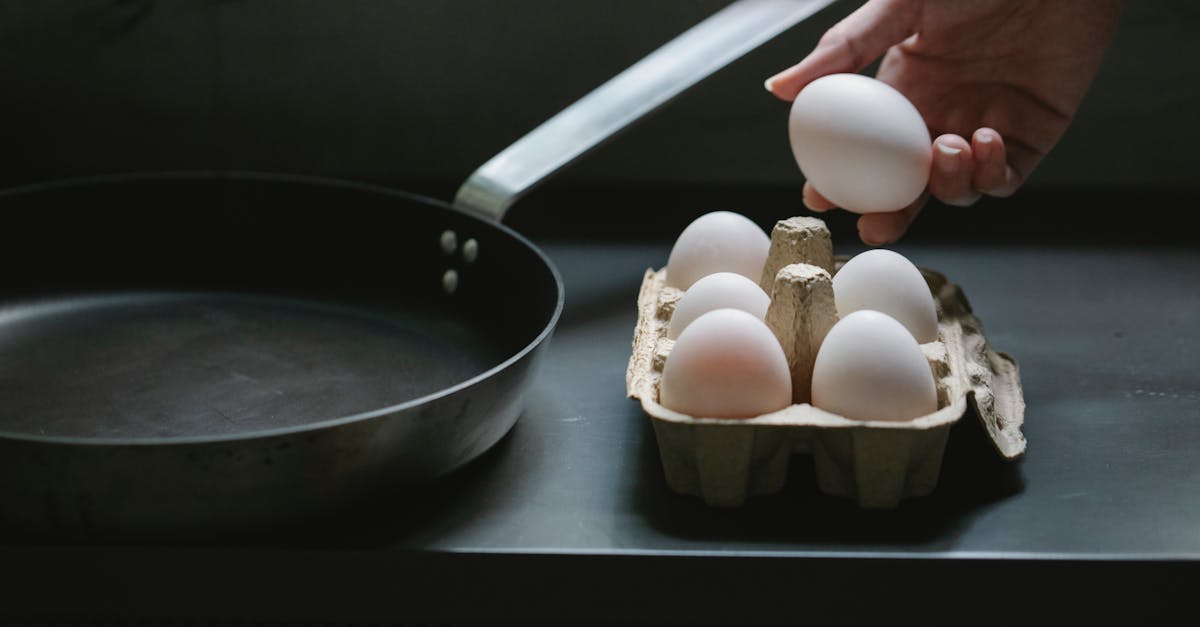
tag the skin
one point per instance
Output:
(997, 82)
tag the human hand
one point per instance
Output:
(1008, 74)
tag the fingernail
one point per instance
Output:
(948, 150)
(985, 138)
(949, 164)
(769, 84)
(804, 199)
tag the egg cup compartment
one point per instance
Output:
(877, 463)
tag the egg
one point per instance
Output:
(886, 281)
(860, 142)
(717, 291)
(726, 364)
(869, 367)
(720, 241)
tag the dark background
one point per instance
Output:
(417, 94)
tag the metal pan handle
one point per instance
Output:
(645, 86)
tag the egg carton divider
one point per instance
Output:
(876, 463)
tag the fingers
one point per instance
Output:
(814, 200)
(993, 175)
(874, 229)
(963, 172)
(952, 172)
(960, 174)
(877, 229)
(850, 45)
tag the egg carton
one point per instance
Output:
(877, 463)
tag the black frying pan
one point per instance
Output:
(220, 351)
(243, 349)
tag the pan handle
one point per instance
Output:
(645, 86)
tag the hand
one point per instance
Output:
(1008, 74)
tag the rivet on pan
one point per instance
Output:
(449, 242)
(450, 281)
(470, 250)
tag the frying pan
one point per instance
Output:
(207, 352)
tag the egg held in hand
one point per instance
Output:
(720, 241)
(886, 281)
(726, 364)
(869, 367)
(860, 143)
(719, 290)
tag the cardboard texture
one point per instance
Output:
(877, 463)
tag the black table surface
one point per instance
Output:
(569, 517)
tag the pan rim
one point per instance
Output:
(276, 177)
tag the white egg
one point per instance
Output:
(869, 367)
(886, 281)
(718, 291)
(726, 364)
(720, 241)
(860, 143)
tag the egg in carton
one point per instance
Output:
(877, 463)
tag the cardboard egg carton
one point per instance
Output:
(877, 463)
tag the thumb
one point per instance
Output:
(850, 45)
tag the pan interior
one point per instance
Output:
(203, 305)
(161, 364)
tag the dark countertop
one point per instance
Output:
(569, 516)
